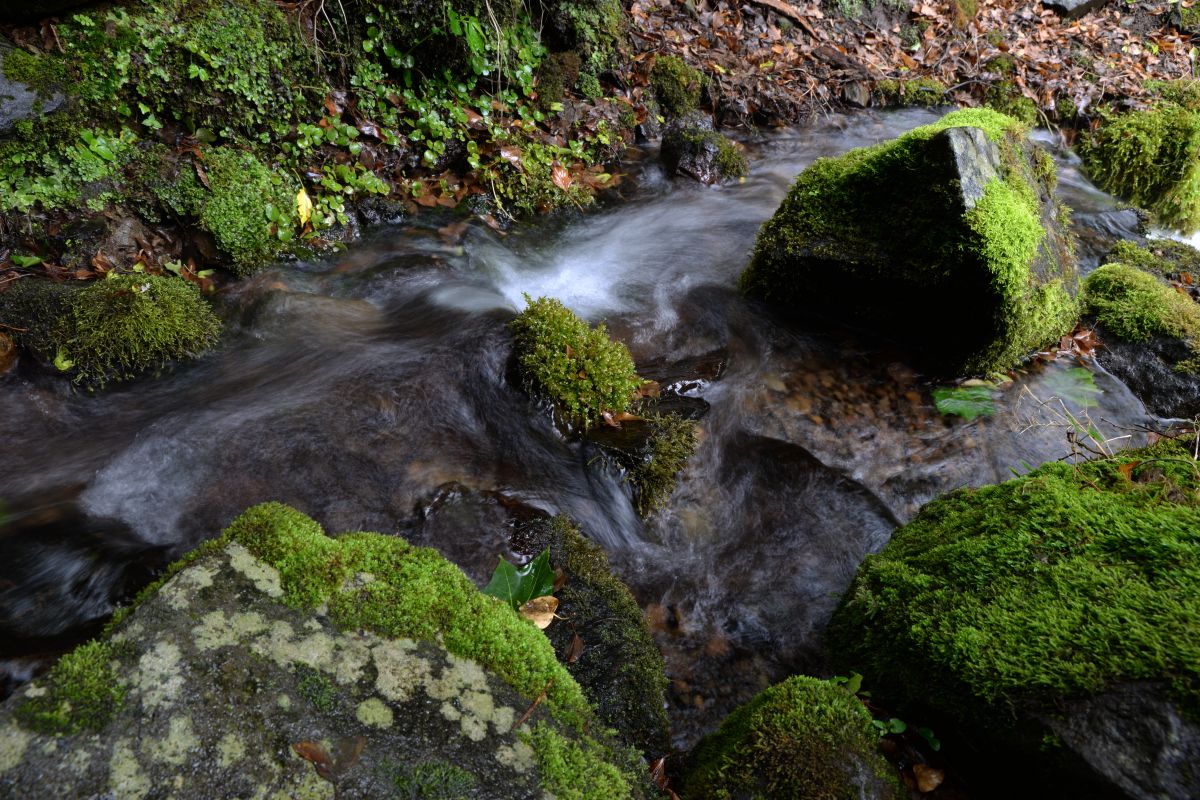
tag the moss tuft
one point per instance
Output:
(573, 770)
(1050, 586)
(580, 369)
(654, 478)
(235, 211)
(130, 324)
(1135, 306)
(800, 738)
(1152, 159)
(1006, 97)
(82, 693)
(47, 74)
(1165, 258)
(677, 86)
(434, 780)
(316, 687)
(926, 92)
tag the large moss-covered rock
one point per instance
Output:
(382, 654)
(1056, 611)
(1150, 327)
(947, 237)
(803, 738)
(1151, 157)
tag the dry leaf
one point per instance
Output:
(540, 610)
(560, 176)
(304, 206)
(511, 154)
(1127, 469)
(928, 778)
(575, 649)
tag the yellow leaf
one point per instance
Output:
(540, 610)
(303, 206)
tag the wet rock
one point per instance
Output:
(8, 353)
(1074, 9)
(1003, 612)
(253, 671)
(947, 238)
(18, 100)
(1149, 370)
(691, 148)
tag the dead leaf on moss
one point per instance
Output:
(540, 610)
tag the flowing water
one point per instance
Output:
(374, 392)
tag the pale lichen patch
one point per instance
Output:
(264, 577)
(400, 671)
(79, 760)
(174, 748)
(375, 713)
(13, 743)
(49, 747)
(181, 590)
(125, 777)
(218, 630)
(518, 757)
(463, 687)
(158, 678)
(230, 750)
(284, 702)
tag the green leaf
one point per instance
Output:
(518, 586)
(967, 402)
(1076, 386)
(61, 362)
(26, 261)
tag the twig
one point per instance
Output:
(789, 11)
(536, 701)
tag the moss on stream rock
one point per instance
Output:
(803, 738)
(1151, 157)
(1061, 603)
(275, 634)
(948, 237)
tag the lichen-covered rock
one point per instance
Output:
(1150, 329)
(690, 147)
(1152, 157)
(1052, 619)
(399, 675)
(948, 238)
(803, 738)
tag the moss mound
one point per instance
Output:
(886, 236)
(243, 188)
(926, 92)
(670, 446)
(82, 693)
(580, 369)
(803, 738)
(1050, 586)
(1151, 158)
(676, 86)
(701, 153)
(1135, 306)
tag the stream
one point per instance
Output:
(372, 391)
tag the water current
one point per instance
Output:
(373, 392)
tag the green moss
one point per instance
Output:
(1136, 306)
(1006, 97)
(853, 232)
(595, 29)
(580, 369)
(654, 478)
(677, 86)
(1163, 257)
(82, 693)
(434, 780)
(416, 594)
(242, 188)
(800, 738)
(34, 311)
(316, 687)
(1054, 585)
(46, 74)
(119, 328)
(620, 669)
(926, 92)
(574, 770)
(556, 74)
(1152, 159)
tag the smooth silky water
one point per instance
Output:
(374, 392)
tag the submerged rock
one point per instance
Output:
(803, 738)
(1051, 619)
(1149, 324)
(948, 238)
(278, 662)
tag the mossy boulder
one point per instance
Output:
(1055, 609)
(948, 238)
(926, 92)
(1150, 329)
(1151, 157)
(111, 330)
(22, 95)
(617, 664)
(803, 738)
(383, 657)
(691, 148)
(583, 372)
(677, 86)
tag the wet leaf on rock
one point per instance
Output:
(1076, 386)
(575, 649)
(540, 610)
(518, 586)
